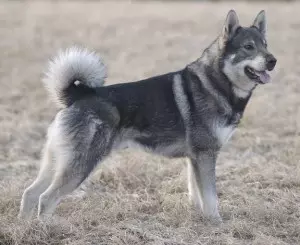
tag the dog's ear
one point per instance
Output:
(260, 22)
(230, 26)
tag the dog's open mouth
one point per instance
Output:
(261, 77)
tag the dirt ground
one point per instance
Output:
(136, 198)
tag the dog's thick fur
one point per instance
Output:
(189, 113)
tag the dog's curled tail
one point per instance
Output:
(73, 74)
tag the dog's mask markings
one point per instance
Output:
(245, 55)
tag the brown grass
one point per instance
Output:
(135, 198)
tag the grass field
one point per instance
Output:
(136, 198)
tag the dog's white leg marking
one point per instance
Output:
(63, 183)
(31, 194)
(204, 172)
(192, 184)
(72, 169)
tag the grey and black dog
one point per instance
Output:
(189, 113)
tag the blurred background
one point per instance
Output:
(133, 197)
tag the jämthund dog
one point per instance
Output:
(188, 113)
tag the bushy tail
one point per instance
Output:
(73, 74)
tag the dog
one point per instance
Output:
(189, 113)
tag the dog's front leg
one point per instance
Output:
(202, 184)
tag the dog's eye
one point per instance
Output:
(249, 47)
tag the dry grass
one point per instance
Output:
(135, 198)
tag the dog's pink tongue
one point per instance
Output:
(264, 77)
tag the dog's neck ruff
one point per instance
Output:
(210, 58)
(219, 86)
(241, 93)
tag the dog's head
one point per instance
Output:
(245, 56)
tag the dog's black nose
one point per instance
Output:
(271, 62)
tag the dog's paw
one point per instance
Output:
(213, 220)
(25, 215)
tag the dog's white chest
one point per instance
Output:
(223, 133)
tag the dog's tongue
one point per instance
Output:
(264, 76)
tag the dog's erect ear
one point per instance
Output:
(230, 26)
(260, 22)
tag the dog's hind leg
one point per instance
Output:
(31, 195)
(203, 184)
(81, 142)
